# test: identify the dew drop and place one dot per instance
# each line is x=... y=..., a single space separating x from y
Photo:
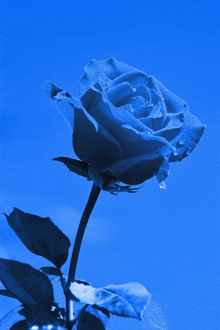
x=148 y=132
x=34 y=327
x=175 y=153
x=162 y=185
x=181 y=142
x=188 y=151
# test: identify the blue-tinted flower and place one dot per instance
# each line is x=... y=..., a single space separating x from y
x=127 y=127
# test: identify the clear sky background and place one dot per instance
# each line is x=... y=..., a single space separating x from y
x=168 y=240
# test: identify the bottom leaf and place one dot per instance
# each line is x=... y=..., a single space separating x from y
x=39 y=317
x=21 y=325
x=88 y=321
x=11 y=318
x=153 y=317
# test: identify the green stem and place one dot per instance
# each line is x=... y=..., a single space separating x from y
x=76 y=249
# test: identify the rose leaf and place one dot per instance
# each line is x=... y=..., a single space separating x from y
x=127 y=300
x=12 y=318
x=37 y=316
x=75 y=166
x=7 y=293
x=51 y=271
x=40 y=235
x=30 y=286
x=153 y=317
x=92 y=319
x=21 y=325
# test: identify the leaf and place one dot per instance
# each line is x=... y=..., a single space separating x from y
x=29 y=285
x=40 y=235
x=37 y=316
x=11 y=318
x=127 y=300
x=153 y=317
x=82 y=282
x=7 y=293
x=102 y=314
x=75 y=166
x=51 y=271
x=21 y=325
x=92 y=319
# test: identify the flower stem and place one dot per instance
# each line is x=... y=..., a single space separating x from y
x=76 y=249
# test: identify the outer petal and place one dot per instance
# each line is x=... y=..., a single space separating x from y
x=111 y=68
x=136 y=170
x=173 y=102
x=92 y=143
x=58 y=95
x=185 y=138
x=109 y=183
x=189 y=136
x=133 y=136
x=171 y=127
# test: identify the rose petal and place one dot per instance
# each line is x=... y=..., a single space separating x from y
x=154 y=122
x=144 y=92
x=136 y=170
x=134 y=78
x=130 y=133
x=111 y=67
x=187 y=138
x=92 y=143
x=137 y=100
x=163 y=171
x=173 y=102
x=98 y=177
x=104 y=81
x=155 y=98
x=61 y=98
x=140 y=111
x=120 y=94
x=103 y=111
x=171 y=126
x=154 y=84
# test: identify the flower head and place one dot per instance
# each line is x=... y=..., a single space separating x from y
x=127 y=127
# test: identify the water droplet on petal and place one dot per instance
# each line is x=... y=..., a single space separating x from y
x=162 y=185
x=181 y=142
x=34 y=327
x=148 y=132
x=175 y=153
x=188 y=151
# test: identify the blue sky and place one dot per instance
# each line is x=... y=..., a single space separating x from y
x=168 y=240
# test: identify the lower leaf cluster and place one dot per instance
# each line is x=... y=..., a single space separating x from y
x=41 y=295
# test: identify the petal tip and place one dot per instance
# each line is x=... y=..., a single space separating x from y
x=50 y=89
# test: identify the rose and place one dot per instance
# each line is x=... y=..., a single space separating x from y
x=127 y=127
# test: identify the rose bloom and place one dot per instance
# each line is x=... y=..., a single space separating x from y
x=127 y=127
